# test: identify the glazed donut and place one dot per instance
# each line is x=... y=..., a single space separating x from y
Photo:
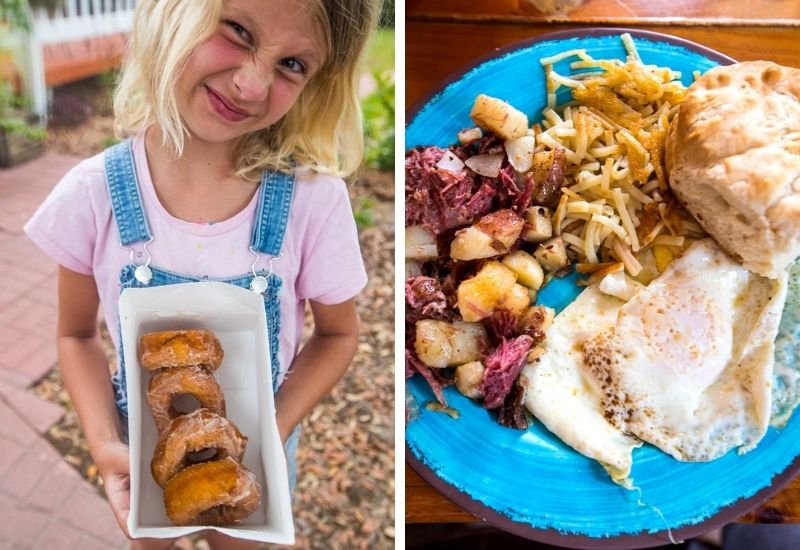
x=188 y=433
x=221 y=492
x=195 y=381
x=180 y=348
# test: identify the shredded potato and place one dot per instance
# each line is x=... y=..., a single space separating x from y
x=615 y=203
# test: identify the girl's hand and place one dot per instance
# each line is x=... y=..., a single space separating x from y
x=113 y=464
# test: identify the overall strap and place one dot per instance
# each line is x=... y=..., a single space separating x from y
x=123 y=188
x=275 y=203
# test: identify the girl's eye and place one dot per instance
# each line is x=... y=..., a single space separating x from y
x=294 y=65
x=240 y=31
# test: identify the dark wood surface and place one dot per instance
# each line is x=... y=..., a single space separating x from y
x=630 y=12
x=445 y=35
x=467 y=41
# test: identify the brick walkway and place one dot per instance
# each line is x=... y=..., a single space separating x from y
x=44 y=503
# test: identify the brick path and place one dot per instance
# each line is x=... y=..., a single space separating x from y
x=44 y=503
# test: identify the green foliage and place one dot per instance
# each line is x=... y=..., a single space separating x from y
x=109 y=141
x=47 y=4
x=16 y=125
x=109 y=79
x=12 y=119
x=50 y=5
x=378 y=110
x=15 y=14
x=380 y=53
x=387 y=14
x=9 y=101
x=363 y=213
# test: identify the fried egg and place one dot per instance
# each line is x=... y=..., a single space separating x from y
x=688 y=364
x=561 y=397
x=786 y=379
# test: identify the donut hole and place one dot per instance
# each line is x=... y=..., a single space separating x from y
x=212 y=516
x=203 y=455
x=184 y=403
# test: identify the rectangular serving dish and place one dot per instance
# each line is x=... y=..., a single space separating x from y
x=237 y=318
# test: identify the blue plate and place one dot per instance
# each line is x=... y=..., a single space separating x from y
x=529 y=482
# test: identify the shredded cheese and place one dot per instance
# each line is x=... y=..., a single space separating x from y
x=565 y=81
x=561 y=211
x=553 y=59
x=627 y=41
x=613 y=134
x=668 y=240
x=573 y=240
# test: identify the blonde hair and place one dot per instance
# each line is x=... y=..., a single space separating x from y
x=322 y=130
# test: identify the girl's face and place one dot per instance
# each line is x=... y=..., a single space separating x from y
x=251 y=71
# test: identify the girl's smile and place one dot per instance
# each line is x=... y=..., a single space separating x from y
x=225 y=108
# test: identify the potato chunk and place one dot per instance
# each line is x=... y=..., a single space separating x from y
x=468 y=379
x=520 y=152
x=538 y=224
x=466 y=341
x=537 y=318
x=420 y=243
x=516 y=300
x=472 y=244
x=529 y=272
x=492 y=235
x=478 y=296
x=499 y=117
x=552 y=254
x=440 y=344
x=468 y=135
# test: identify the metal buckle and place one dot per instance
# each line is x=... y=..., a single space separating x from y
x=260 y=283
x=142 y=273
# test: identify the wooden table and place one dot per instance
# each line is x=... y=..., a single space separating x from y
x=444 y=35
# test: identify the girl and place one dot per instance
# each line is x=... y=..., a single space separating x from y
x=244 y=114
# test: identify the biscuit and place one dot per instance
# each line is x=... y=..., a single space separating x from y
x=733 y=160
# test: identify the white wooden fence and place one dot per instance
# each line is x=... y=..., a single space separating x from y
x=75 y=20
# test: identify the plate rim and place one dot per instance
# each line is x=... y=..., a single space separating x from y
x=552 y=536
x=653 y=36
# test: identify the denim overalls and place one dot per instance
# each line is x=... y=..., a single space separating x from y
x=275 y=201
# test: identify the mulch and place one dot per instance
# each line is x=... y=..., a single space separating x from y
x=345 y=490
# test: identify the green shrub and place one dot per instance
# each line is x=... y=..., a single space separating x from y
x=378 y=110
x=387 y=14
x=15 y=125
x=109 y=80
x=15 y=14
x=363 y=213
x=12 y=117
x=13 y=107
x=109 y=141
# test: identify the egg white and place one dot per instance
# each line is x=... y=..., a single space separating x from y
x=786 y=378
x=688 y=364
x=561 y=397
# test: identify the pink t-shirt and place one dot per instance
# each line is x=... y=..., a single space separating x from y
x=320 y=261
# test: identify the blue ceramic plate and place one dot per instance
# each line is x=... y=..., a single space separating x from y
x=529 y=482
